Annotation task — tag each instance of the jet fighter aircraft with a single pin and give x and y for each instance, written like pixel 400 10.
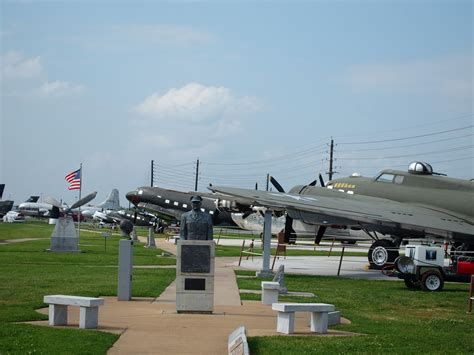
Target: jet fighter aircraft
pixel 415 204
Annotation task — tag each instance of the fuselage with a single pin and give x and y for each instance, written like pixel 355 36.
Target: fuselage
pixel 174 203
pixel 35 209
pixel 440 193
pixel 450 196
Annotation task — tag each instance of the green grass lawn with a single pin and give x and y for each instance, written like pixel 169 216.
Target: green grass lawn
pixel 28 272
pixel 393 318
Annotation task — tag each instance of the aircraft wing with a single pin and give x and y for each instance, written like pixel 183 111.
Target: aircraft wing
pixel 165 211
pixel 325 204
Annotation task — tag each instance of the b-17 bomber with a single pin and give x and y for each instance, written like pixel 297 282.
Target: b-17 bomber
pixel 393 206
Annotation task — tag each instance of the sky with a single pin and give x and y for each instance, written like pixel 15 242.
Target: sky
pixel 247 88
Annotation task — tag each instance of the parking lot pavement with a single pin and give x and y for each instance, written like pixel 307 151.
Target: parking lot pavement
pixel 351 266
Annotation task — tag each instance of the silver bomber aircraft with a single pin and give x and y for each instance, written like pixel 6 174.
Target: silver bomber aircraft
pixel 393 206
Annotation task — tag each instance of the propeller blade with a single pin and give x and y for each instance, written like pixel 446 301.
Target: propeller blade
pixel 321 181
pixel 54 212
pixel 84 200
pixel 135 216
pixel 320 234
pixel 276 184
pixel 313 183
pixel 52 201
pixel 246 214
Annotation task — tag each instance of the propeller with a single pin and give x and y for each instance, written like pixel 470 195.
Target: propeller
pixel 83 200
pixel 135 214
pixel 321 181
pixel 289 231
pixel 320 234
pixel 52 201
pixel 290 234
pixel 276 184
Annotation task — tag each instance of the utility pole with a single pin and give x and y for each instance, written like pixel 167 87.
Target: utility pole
pixel 197 173
pixel 152 171
pixel 331 158
pixel 268 179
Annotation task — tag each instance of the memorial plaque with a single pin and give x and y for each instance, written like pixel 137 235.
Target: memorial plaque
pixel 195 284
pixel 195 258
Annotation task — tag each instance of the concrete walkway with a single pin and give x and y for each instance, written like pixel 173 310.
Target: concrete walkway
pixel 152 326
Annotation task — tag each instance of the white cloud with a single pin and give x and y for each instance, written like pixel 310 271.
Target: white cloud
pixel 191 121
pixel 59 89
pixel 195 103
pixel 449 76
pixel 15 66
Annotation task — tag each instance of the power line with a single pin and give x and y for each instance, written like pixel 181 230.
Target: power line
pixel 412 137
pixel 411 155
pixel 408 145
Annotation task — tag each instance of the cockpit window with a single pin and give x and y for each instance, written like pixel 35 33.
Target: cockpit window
pixel 398 179
pixel 386 178
pixel 390 178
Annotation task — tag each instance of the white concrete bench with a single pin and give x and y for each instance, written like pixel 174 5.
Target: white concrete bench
pixel 270 292
pixel 88 314
pixel 286 316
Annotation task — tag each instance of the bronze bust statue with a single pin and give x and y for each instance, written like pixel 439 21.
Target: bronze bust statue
pixel 196 224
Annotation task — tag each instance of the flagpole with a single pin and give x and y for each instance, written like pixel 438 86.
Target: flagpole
pixel 79 214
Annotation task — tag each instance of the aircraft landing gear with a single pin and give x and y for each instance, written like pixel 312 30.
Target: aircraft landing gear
pixel 382 252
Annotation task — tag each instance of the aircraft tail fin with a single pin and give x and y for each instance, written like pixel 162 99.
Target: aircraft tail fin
pixel 2 187
pixel 33 199
pixel 112 201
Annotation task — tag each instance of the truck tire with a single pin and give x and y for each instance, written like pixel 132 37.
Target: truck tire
pixel 432 281
pixel 382 252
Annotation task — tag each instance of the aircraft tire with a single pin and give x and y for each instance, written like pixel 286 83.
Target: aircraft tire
pixel 432 281
pixel 381 253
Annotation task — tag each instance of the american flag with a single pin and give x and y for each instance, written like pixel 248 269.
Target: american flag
pixel 74 180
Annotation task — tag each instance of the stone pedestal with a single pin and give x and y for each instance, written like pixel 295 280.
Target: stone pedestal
pixel 151 239
pixel 124 290
pixel 64 237
pixel 195 276
pixel 270 292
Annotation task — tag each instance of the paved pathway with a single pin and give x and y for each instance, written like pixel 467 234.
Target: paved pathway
pixel 152 326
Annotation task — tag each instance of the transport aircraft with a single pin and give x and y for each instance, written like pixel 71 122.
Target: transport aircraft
pixel 32 207
pixel 255 222
pixel 173 203
pixel 138 218
pixel 111 203
pixel 13 216
pixel 393 206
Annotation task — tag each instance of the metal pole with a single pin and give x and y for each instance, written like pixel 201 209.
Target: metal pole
pixel 152 170
pixel 340 261
pixel 197 173
pixel 79 214
pixel 331 151
pixel 267 235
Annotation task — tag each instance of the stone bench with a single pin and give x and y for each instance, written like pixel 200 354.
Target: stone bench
pixel 237 342
pixel 88 314
pixel 270 292
pixel 286 316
